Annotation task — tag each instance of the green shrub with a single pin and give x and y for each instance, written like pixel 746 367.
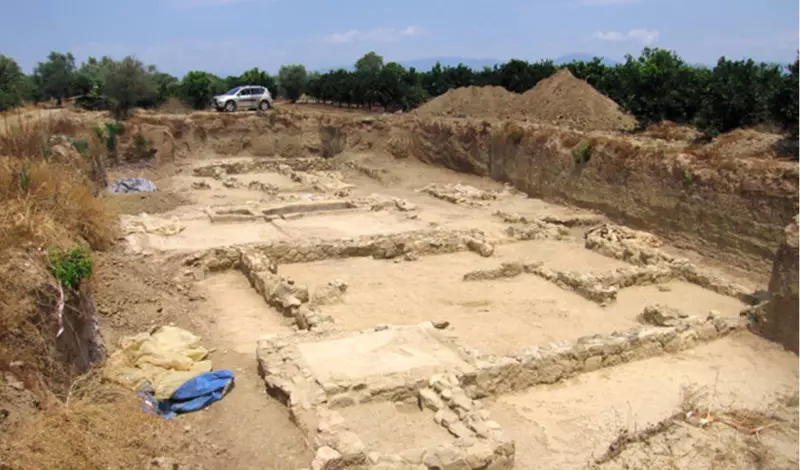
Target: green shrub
pixel 70 267
pixel 582 153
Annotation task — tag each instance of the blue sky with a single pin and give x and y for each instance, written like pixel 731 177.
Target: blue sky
pixel 229 36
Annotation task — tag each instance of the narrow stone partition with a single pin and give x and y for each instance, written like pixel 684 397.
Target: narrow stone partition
pixel 560 360
pixel 344 390
pixel 412 243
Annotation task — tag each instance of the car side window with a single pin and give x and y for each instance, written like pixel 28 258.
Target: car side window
pixel 245 92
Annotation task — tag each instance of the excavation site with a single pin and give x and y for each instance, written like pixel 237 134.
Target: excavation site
pixel 427 290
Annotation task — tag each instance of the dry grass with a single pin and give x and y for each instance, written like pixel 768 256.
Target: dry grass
pixel 47 197
pixel 727 436
pixel 46 202
pixel 98 427
pixel 332 141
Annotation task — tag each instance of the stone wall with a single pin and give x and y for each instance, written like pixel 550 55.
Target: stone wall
pixel 560 360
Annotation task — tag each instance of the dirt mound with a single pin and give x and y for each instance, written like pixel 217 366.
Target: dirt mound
pixel 488 101
pixel 566 100
pixel 560 99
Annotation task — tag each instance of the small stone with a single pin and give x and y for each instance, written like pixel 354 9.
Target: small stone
pixel 459 429
pixel 464 442
pixel 373 457
pixel 187 428
pixel 350 446
pixel 481 428
pixel 479 455
pixel 664 288
pixel 441 325
pixel 430 400
pixel 445 417
pixel 460 400
pixel 446 394
pixel 326 458
pixel 442 457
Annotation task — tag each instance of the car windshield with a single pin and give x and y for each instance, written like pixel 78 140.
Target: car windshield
pixel 233 91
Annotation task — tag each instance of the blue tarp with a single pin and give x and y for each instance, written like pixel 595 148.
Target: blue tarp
pixel 194 395
pixel 132 185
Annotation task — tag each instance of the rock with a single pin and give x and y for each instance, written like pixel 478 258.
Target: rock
pixel 430 399
pixel 132 185
pixel 326 458
pixel 403 205
pixel 441 325
pixel 478 456
pixel 445 417
pixel 350 446
pixel 202 185
pixel 459 429
pixel 460 400
pixel 481 247
pixel 442 458
pixel 661 315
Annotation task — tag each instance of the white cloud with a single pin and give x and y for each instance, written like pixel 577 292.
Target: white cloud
pixel 374 35
pixel 644 36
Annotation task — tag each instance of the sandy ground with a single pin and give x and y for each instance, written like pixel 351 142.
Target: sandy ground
pixel 573 421
pixel 558 426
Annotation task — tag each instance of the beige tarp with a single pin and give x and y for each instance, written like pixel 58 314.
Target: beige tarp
pixel 165 360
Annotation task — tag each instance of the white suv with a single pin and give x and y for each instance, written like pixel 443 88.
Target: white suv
pixel 244 97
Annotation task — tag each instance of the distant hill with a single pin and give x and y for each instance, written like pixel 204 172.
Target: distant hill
pixel 475 64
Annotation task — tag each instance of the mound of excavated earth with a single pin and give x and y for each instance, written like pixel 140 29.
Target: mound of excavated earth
pixel 487 101
pixel 560 99
pixel 566 100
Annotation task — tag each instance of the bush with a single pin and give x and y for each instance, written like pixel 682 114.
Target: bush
pixel 582 153
pixel 70 267
pixel 197 88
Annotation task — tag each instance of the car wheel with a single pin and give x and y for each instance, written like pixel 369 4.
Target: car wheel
pixel 264 105
pixel 230 106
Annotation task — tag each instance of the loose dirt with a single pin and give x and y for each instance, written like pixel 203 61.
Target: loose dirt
pixel 566 100
pixel 489 101
pixel 560 99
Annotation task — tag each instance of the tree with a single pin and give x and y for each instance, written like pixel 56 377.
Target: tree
pixel 370 63
pixel 785 107
pixel 198 88
pixel 128 83
pixel 292 81
pixel 56 76
pixel 255 76
pixel 12 83
pixel 89 77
